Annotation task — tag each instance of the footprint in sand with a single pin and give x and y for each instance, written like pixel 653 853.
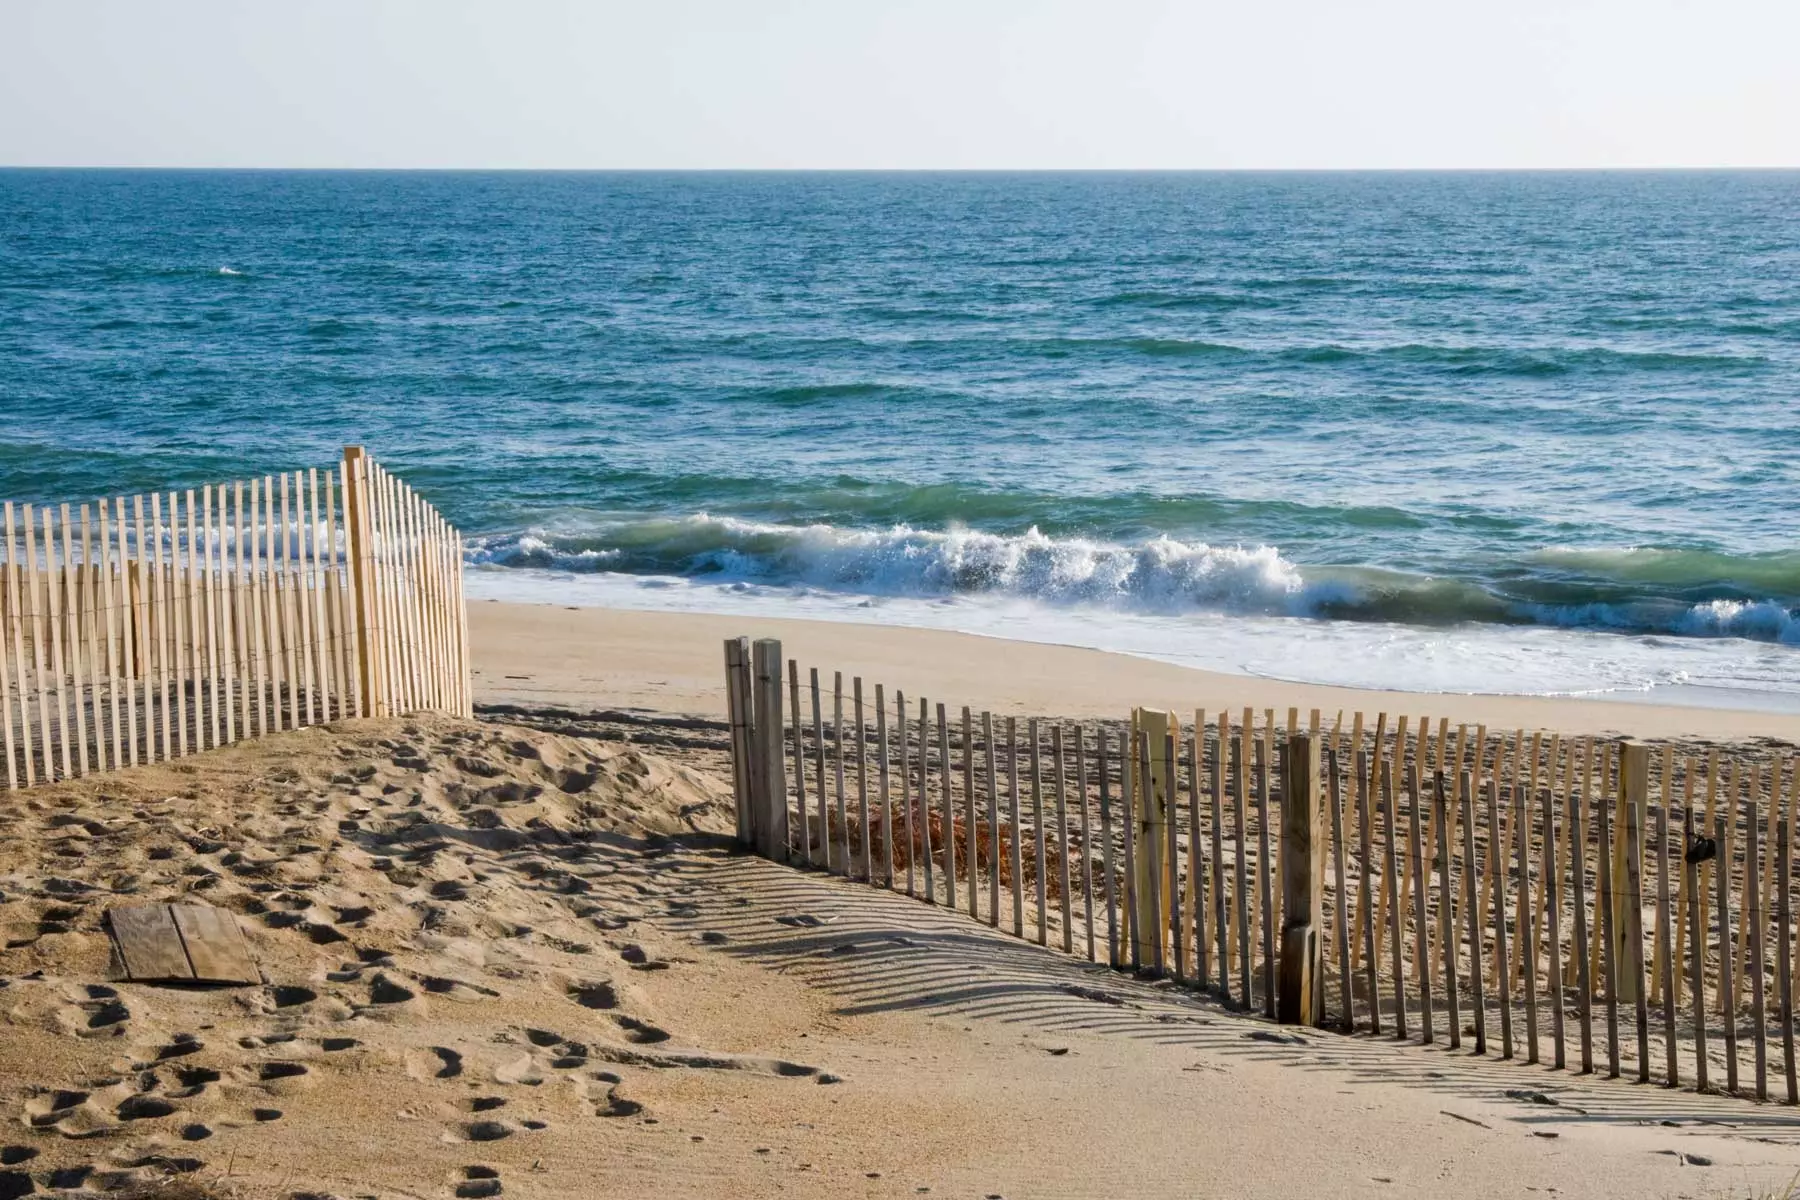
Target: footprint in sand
pixel 384 990
pixel 638 959
pixel 435 1062
pixel 641 1032
pixel 598 994
pixel 479 1181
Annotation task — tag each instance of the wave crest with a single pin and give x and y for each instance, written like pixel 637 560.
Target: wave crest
pixel 1159 574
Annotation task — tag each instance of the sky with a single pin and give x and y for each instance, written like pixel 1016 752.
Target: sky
pixel 935 84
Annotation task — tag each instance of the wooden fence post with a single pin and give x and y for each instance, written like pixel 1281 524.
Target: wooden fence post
pixel 737 708
pixel 1302 859
pixel 1627 897
pixel 770 821
pixel 360 550
pixel 1150 831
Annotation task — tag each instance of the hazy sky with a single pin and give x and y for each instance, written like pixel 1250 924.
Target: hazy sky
pixel 928 83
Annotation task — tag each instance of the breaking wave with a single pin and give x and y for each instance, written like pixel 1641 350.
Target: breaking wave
pixel 1632 591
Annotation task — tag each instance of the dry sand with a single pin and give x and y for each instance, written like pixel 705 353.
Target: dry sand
pixel 673 662
pixel 508 961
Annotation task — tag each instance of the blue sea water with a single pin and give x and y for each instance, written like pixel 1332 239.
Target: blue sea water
pixel 1530 432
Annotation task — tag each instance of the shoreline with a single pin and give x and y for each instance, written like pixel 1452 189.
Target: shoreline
pixel 672 662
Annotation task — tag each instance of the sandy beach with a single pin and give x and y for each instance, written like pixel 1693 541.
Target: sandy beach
pixel 505 962
pixel 672 662
pixel 522 956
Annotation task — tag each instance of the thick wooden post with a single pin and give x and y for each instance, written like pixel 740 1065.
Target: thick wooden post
pixel 770 820
pixel 737 708
pixel 361 552
pixel 1300 988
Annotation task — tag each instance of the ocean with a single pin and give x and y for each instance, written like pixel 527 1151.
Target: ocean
pixel 1513 432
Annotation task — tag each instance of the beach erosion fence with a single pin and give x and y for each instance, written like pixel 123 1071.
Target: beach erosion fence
pixel 142 628
pixel 1590 904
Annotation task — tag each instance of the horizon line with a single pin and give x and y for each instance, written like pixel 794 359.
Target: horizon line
pixel 741 170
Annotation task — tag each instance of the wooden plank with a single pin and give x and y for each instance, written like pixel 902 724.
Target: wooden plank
pixel 129 648
pixel 924 804
pixel 803 824
pixel 1681 883
pixel 1465 799
pixel 1421 916
pixel 843 865
pixel 1697 969
pixel 1634 787
pixel 359 642
pixel 1128 779
pixel 1340 910
pixel 293 537
pixel 8 585
pixel 1152 916
pixel 1106 849
pixel 1300 985
pixel 738 720
pixel 949 808
pixel 1221 916
pixel 1709 869
pixel 1015 848
pixel 818 723
pixel 1722 836
pixel 1753 925
pixel 58 666
pixel 18 613
pixel 1551 890
pixel 187 623
pixel 1165 774
pixel 210 616
pixel 1366 910
pixel 1447 940
pixel 1040 862
pixel 1196 861
pixel 91 604
pixel 174 601
pixel 862 780
pixel 971 820
pixel 1265 863
pixel 774 838
pixel 1584 999
pixel 1664 949
pixel 1605 917
pixel 255 632
pixel 989 760
pixel 1241 884
pixel 324 661
pixel 35 621
pixel 1391 810
pixel 1397 757
pixel 1784 959
pixel 215 945
pixel 148 942
pixel 884 782
pixel 1062 836
pixel 1352 758
pixel 1087 833
pixel 1497 875
pixel 195 631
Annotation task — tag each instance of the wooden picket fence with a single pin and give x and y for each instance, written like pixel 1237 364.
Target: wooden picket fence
pixel 143 628
pixel 1606 904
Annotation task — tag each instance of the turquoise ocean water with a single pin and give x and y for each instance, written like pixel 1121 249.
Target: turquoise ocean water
pixel 1517 432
